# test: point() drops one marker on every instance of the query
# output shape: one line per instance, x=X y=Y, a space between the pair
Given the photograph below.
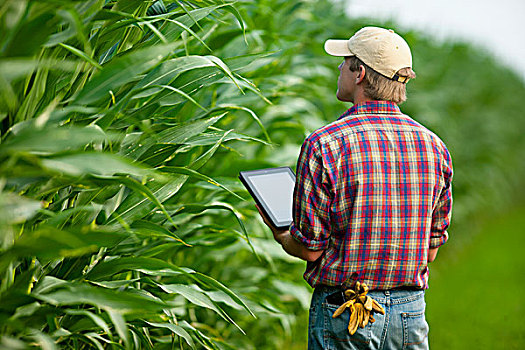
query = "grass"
x=475 y=298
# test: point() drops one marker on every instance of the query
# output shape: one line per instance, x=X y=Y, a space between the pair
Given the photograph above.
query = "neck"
x=360 y=97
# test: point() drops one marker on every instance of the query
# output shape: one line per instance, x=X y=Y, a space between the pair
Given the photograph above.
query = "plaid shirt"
x=373 y=190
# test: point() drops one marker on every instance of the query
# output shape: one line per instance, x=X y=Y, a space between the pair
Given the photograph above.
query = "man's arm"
x=442 y=212
x=432 y=252
x=290 y=244
x=296 y=248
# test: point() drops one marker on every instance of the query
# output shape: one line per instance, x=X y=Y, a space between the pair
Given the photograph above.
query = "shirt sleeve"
x=443 y=210
x=311 y=203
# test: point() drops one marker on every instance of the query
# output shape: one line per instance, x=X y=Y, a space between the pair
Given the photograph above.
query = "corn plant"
x=109 y=108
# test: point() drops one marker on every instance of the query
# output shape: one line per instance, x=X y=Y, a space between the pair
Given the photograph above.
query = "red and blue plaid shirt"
x=373 y=191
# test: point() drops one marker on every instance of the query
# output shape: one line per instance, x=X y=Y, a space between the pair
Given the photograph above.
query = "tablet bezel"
x=244 y=176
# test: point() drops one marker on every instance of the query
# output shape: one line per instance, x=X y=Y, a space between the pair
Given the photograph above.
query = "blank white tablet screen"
x=277 y=191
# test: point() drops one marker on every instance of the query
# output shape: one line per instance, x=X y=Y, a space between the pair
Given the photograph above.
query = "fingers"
x=277 y=233
x=265 y=219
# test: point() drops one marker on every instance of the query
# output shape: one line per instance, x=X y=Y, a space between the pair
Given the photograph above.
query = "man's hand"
x=277 y=233
x=290 y=244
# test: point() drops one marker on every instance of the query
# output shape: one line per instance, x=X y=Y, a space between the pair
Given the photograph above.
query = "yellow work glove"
x=361 y=307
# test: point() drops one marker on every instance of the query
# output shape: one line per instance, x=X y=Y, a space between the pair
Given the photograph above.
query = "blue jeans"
x=402 y=327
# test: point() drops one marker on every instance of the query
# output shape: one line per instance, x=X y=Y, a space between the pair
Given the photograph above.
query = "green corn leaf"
x=146 y=192
x=49 y=243
x=177 y=330
x=157 y=267
x=174 y=135
x=155 y=31
x=183 y=94
x=52 y=139
x=24 y=310
x=121 y=71
x=219 y=63
x=118 y=284
x=252 y=87
x=14 y=68
x=44 y=340
x=95 y=163
x=212 y=137
x=98 y=337
x=120 y=325
x=238 y=16
x=192 y=80
x=10 y=343
x=141 y=337
x=135 y=206
x=33 y=34
x=168 y=70
x=159 y=154
x=15 y=287
x=49 y=283
x=196 y=297
x=116 y=302
x=60 y=219
x=150 y=266
x=203 y=159
x=172 y=31
x=150 y=228
x=244 y=62
x=193 y=173
x=29 y=107
x=188 y=29
x=252 y=114
x=198 y=208
x=81 y=54
x=207 y=280
x=188 y=13
x=93 y=340
x=16 y=209
x=99 y=321
x=158 y=250
x=74 y=28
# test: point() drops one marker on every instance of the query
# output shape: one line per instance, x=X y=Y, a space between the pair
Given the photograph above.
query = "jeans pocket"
x=336 y=333
x=415 y=330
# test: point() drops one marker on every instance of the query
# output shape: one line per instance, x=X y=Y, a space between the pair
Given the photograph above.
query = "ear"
x=359 y=78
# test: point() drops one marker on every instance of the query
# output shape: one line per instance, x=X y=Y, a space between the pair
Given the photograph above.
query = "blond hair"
x=379 y=87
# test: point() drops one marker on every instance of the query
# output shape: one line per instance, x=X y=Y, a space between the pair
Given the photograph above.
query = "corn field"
x=124 y=124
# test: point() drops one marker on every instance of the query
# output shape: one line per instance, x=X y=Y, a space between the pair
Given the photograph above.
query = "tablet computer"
x=272 y=189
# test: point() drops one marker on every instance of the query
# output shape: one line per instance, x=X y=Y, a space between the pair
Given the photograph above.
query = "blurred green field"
x=476 y=299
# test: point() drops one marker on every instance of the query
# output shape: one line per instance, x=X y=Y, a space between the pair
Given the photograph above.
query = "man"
x=372 y=201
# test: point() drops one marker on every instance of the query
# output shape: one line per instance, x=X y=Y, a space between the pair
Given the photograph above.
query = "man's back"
x=385 y=183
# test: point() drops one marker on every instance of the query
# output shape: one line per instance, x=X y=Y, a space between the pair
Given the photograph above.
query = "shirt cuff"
x=438 y=240
x=308 y=243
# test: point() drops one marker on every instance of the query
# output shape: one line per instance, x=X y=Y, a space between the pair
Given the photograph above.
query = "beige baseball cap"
x=381 y=49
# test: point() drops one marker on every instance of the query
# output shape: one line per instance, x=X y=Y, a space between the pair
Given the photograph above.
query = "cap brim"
x=337 y=48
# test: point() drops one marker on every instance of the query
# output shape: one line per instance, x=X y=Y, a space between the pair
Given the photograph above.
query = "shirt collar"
x=372 y=107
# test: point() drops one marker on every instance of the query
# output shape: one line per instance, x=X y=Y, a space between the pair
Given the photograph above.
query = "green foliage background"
x=124 y=124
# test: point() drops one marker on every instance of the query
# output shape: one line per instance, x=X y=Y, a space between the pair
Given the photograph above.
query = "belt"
x=327 y=287
x=402 y=288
